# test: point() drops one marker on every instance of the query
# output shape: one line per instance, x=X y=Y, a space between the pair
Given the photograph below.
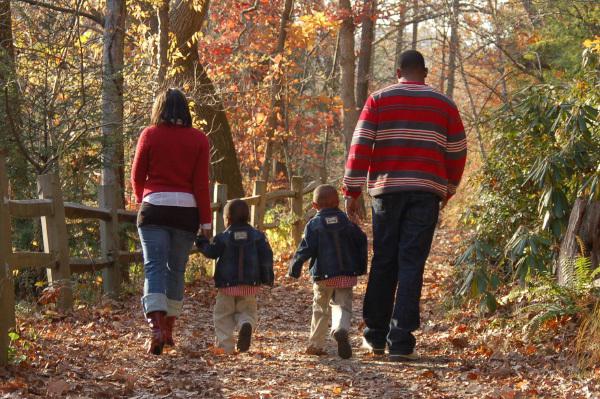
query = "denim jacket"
x=334 y=245
x=244 y=256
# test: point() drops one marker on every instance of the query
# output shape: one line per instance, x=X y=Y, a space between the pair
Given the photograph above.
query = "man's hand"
x=443 y=204
x=352 y=208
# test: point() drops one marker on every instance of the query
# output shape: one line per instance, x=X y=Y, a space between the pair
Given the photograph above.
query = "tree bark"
x=400 y=36
x=366 y=49
x=277 y=102
x=453 y=48
x=186 y=20
x=163 y=42
x=7 y=69
x=347 y=65
x=415 y=25
x=583 y=233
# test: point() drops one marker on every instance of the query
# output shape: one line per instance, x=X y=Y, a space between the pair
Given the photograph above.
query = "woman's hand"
x=206 y=233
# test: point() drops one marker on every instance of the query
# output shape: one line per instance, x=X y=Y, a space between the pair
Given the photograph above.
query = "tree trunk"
x=185 y=20
x=400 y=37
x=366 y=50
x=583 y=235
x=347 y=65
x=276 y=115
x=415 y=25
x=443 y=63
x=163 y=42
x=7 y=70
x=453 y=48
x=112 y=98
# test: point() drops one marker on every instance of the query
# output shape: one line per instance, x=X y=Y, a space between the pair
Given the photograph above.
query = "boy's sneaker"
x=314 y=351
x=401 y=357
x=344 y=348
x=379 y=351
x=244 y=337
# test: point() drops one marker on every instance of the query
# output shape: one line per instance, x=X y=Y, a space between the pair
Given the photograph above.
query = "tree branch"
x=95 y=16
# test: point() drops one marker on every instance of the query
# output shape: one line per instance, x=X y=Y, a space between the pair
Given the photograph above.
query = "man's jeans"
x=403 y=227
x=166 y=252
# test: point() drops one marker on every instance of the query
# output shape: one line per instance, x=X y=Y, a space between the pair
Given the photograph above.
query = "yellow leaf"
x=337 y=390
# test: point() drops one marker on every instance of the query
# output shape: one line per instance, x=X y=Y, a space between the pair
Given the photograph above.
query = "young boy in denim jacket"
x=245 y=262
x=337 y=249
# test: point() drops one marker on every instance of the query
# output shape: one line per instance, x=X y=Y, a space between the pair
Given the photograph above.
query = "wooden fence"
x=54 y=213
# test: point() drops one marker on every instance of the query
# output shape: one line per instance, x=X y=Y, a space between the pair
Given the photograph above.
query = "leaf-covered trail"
x=97 y=353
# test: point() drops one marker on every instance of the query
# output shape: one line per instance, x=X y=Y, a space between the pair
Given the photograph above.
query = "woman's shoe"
x=155 y=344
x=169 y=324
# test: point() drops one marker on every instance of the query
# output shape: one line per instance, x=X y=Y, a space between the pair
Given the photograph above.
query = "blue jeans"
x=403 y=227
x=166 y=252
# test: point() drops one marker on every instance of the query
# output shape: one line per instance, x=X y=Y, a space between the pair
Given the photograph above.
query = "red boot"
x=156 y=320
x=169 y=324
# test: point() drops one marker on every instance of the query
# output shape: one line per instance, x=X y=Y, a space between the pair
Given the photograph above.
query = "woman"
x=170 y=179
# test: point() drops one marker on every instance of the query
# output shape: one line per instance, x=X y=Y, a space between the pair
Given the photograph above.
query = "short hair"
x=411 y=60
x=171 y=107
x=237 y=211
x=325 y=195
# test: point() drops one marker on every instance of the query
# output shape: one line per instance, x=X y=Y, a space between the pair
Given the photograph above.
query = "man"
x=410 y=141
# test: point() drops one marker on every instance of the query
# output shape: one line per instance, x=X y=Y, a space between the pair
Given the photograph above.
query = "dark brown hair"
x=326 y=196
x=171 y=107
x=237 y=211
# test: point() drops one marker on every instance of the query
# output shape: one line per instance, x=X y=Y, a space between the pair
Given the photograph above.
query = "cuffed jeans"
x=403 y=228
x=231 y=312
x=329 y=302
x=166 y=252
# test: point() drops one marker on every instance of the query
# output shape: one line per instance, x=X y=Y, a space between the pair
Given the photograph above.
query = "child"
x=337 y=249
x=245 y=261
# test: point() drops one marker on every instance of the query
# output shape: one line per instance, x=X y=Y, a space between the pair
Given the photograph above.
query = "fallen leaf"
x=459 y=342
x=57 y=387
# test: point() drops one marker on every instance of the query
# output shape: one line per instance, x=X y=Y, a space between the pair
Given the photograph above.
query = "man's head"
x=325 y=196
x=236 y=212
x=412 y=66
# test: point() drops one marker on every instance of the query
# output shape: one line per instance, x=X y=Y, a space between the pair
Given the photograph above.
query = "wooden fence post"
x=7 y=288
x=257 y=215
x=109 y=242
x=56 y=240
x=297 y=209
x=220 y=197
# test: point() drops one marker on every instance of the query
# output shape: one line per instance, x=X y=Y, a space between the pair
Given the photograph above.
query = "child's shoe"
x=344 y=347
x=244 y=337
x=314 y=351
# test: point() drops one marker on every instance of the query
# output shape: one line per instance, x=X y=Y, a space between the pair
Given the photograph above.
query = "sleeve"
x=265 y=258
x=456 y=153
x=361 y=149
x=212 y=249
x=200 y=182
x=306 y=250
x=139 y=169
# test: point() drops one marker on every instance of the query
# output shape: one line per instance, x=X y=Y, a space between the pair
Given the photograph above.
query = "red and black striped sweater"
x=409 y=138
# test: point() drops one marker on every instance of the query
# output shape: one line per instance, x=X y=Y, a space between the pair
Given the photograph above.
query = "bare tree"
x=347 y=67
x=453 y=49
x=277 y=101
x=400 y=35
x=415 y=25
x=163 y=41
x=363 y=77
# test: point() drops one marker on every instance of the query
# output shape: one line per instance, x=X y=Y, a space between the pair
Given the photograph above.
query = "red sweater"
x=409 y=138
x=173 y=159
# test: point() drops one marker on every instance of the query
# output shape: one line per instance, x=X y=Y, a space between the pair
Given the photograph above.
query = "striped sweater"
x=409 y=138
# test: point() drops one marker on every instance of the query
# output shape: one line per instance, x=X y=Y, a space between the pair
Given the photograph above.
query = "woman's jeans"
x=403 y=227
x=166 y=251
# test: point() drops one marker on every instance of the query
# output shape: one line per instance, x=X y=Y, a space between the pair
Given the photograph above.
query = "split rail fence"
x=54 y=213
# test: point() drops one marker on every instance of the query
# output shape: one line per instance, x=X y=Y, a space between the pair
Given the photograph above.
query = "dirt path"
x=96 y=353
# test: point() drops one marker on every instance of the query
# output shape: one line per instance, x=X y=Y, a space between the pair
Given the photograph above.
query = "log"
x=7 y=285
x=127 y=216
x=583 y=228
x=81 y=265
x=279 y=194
x=79 y=211
x=257 y=212
x=22 y=260
x=34 y=208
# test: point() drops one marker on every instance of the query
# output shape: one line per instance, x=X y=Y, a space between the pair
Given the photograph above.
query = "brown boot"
x=156 y=320
x=169 y=324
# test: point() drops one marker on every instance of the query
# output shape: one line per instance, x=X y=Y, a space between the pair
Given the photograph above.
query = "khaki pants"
x=327 y=301
x=229 y=313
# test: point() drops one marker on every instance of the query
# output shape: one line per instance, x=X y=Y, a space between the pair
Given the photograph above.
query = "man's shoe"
x=344 y=348
x=401 y=357
x=244 y=337
x=379 y=351
x=314 y=351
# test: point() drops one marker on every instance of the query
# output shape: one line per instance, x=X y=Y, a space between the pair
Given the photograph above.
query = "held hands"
x=352 y=209
x=207 y=233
